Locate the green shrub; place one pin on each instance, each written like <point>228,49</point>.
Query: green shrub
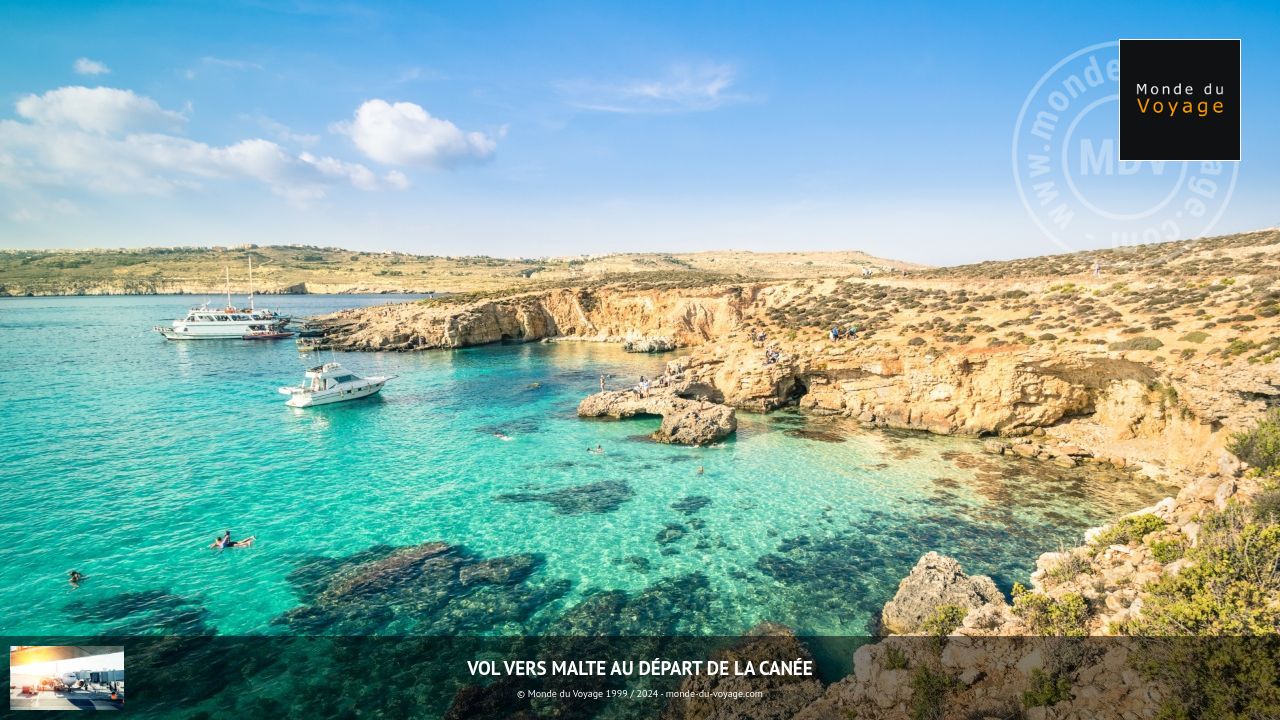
<point>1195,336</point>
<point>1229,585</point>
<point>1166,551</point>
<point>1045,689</point>
<point>1227,592</point>
<point>1129,530</point>
<point>929,691</point>
<point>1068,568</point>
<point>1138,343</point>
<point>894,659</point>
<point>1260,447</point>
<point>1266,506</point>
<point>1238,346</point>
<point>1065,616</point>
<point>944,620</point>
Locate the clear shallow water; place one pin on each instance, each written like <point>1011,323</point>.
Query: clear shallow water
<point>126,454</point>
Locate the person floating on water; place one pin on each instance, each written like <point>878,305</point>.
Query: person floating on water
<point>75,578</point>
<point>225,542</point>
<point>597,450</point>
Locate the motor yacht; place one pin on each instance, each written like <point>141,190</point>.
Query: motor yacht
<point>331,383</point>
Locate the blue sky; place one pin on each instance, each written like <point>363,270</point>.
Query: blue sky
<point>523,129</point>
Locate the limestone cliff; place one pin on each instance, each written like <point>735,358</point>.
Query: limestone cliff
<point>610,313</point>
<point>1080,404</point>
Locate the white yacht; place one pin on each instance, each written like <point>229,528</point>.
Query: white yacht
<point>331,383</point>
<point>205,323</point>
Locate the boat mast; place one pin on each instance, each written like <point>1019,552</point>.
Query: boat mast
<point>228,269</point>
<point>250,282</point>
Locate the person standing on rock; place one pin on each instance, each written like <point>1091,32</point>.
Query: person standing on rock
<point>602,383</point>
<point>644,386</point>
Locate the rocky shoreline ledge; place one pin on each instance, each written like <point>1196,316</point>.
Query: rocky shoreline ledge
<point>684,421</point>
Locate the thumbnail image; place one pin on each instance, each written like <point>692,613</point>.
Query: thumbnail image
<point>66,677</point>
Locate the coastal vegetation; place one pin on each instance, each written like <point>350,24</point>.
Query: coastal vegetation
<point>298,268</point>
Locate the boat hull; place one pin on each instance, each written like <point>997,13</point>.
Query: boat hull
<point>171,334</point>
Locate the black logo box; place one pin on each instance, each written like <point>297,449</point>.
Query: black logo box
<point>1186,68</point>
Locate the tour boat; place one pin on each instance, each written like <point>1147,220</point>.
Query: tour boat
<point>331,383</point>
<point>205,323</point>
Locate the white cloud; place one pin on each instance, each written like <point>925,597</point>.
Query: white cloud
<point>230,63</point>
<point>209,61</point>
<point>684,88</point>
<point>99,110</point>
<point>405,134</point>
<point>85,66</point>
<point>106,140</point>
<point>284,133</point>
<point>397,180</point>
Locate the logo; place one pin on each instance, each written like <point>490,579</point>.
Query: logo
<point>1071,180</point>
<point>1180,99</point>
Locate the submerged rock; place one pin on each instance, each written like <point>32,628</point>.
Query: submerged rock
<point>500,570</point>
<point>432,588</point>
<point>936,580</point>
<point>145,612</point>
<point>671,533</point>
<point>690,505</point>
<point>819,435</point>
<point>595,498</point>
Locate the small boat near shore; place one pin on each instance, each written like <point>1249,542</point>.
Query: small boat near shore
<point>268,335</point>
<point>331,383</point>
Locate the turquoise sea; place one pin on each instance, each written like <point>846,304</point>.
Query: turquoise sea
<point>124,455</point>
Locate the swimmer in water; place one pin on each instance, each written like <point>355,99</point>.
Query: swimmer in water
<point>224,542</point>
<point>501,436</point>
<point>75,578</point>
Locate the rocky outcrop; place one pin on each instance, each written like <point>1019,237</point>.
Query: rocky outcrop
<point>993,665</point>
<point>936,580</point>
<point>684,421</point>
<point>669,318</point>
<point>1080,406</point>
<point>649,345</point>
<point>989,677</point>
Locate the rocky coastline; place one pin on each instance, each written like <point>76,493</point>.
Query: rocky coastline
<point>1157,405</point>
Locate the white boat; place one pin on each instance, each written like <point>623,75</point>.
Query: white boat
<point>205,323</point>
<point>331,383</point>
